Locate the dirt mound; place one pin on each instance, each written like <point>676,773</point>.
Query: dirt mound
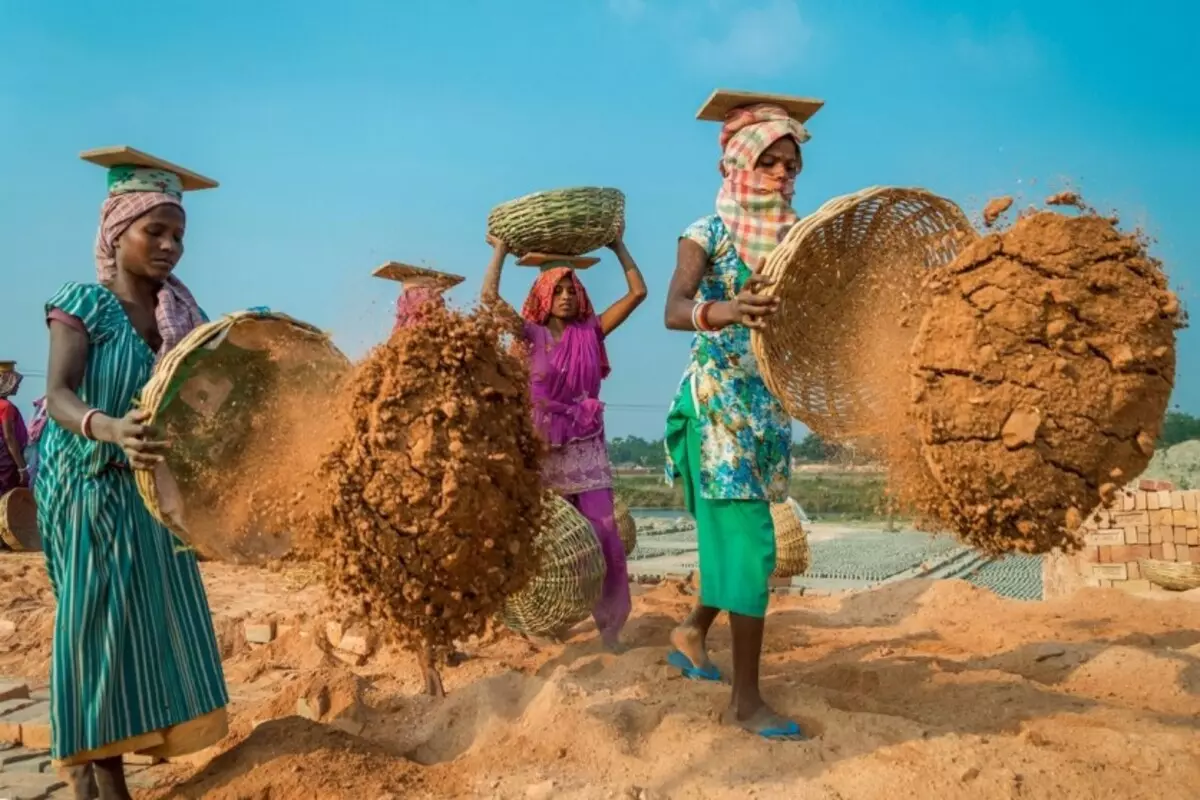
<point>1042,371</point>
<point>434,493</point>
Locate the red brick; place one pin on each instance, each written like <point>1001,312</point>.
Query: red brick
<point>1194,555</point>
<point>1156,551</point>
<point>1145,485</point>
<point>1163,516</point>
<point>1143,535</point>
<point>259,632</point>
<point>1105,555</point>
<point>1180,536</point>
<point>1193,537</point>
<point>139,760</point>
<point>1140,551</point>
<point>1130,534</point>
<point>1133,585</point>
<point>1119,554</point>
<point>27,721</point>
<point>1189,500</point>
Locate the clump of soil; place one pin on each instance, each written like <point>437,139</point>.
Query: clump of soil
<point>1042,370</point>
<point>433,494</point>
<point>995,209</point>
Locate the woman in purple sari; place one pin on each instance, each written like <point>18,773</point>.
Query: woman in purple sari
<point>568,361</point>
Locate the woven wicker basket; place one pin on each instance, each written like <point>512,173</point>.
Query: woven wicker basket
<point>1177,576</point>
<point>792,556</point>
<point>625,525</point>
<point>569,577</point>
<point>849,279</point>
<point>203,395</point>
<point>18,521</point>
<point>565,222</point>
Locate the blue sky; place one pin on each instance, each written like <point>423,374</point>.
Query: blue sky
<point>346,134</point>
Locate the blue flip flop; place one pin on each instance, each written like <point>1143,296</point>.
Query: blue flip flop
<point>690,671</point>
<point>791,732</point>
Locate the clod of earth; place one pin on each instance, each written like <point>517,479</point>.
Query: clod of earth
<point>432,490</point>
<point>995,208</point>
<point>1041,370</point>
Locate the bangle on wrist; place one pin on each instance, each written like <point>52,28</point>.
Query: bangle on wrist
<point>702,317</point>
<point>85,427</point>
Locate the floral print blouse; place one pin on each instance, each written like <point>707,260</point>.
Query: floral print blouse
<point>745,434</point>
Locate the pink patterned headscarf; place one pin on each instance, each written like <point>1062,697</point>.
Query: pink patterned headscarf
<point>414,303</point>
<point>756,210</point>
<point>177,312</point>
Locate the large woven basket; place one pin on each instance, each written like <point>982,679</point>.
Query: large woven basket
<point>626,525</point>
<point>792,556</point>
<point>1178,576</point>
<point>569,577</point>
<point>849,278</point>
<point>565,222</point>
<point>18,521</point>
<point>230,398</point>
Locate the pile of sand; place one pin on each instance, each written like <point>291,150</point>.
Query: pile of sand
<point>1041,373</point>
<point>433,491</point>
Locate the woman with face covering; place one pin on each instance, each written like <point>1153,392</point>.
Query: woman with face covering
<point>14,471</point>
<point>728,438</point>
<point>568,360</point>
<point>135,665</point>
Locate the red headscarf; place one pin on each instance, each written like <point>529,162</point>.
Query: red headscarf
<point>541,296</point>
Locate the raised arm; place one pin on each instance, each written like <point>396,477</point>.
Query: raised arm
<point>747,308</point>
<point>619,311</point>
<point>490,293</point>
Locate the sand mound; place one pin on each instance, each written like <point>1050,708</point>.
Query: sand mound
<point>434,493</point>
<point>1042,371</point>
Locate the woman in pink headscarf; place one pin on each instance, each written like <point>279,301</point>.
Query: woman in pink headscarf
<point>134,666</point>
<point>568,361</point>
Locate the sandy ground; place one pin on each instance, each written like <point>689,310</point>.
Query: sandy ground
<point>915,690</point>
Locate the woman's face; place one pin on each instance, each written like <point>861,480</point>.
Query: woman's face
<point>153,244</point>
<point>565,304</point>
<point>780,162</point>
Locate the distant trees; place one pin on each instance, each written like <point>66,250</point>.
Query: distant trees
<point>1178,426</point>
<point>636,450</point>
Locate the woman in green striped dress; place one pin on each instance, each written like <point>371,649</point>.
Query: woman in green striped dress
<point>135,664</point>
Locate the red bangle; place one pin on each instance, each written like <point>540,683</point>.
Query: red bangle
<point>85,427</point>
<point>702,317</point>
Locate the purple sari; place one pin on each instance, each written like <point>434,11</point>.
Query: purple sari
<point>565,389</point>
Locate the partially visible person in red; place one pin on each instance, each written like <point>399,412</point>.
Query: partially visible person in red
<point>14,471</point>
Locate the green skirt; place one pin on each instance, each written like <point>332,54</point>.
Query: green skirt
<point>737,537</point>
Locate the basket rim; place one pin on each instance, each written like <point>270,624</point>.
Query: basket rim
<point>560,191</point>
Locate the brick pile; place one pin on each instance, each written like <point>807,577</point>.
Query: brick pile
<point>1153,520</point>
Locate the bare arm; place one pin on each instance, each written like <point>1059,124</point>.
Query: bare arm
<point>619,311</point>
<point>490,294</point>
<point>64,375</point>
<point>10,440</point>
<point>748,308</point>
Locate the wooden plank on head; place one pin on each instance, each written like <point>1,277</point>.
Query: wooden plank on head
<point>722,101</point>
<point>126,156</point>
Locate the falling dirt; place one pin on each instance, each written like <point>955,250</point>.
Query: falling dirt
<point>995,209</point>
<point>433,493</point>
<point>1042,371</point>
<point>914,690</point>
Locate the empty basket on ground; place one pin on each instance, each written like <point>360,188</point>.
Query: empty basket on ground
<point>626,525</point>
<point>849,278</point>
<point>1174,575</point>
<point>230,397</point>
<point>569,577</point>
<point>792,556</point>
<point>566,222</point>
<point>18,521</point>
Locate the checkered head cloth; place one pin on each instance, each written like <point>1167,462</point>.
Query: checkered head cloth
<point>757,211</point>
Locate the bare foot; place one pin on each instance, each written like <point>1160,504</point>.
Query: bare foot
<point>689,641</point>
<point>766,723</point>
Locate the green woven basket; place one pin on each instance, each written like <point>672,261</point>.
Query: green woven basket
<point>565,222</point>
<point>569,577</point>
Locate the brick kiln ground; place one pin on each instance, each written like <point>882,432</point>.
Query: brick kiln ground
<point>917,690</point>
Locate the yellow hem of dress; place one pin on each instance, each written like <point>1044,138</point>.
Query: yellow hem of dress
<point>171,742</point>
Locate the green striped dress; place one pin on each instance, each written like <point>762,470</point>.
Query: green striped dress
<point>134,650</point>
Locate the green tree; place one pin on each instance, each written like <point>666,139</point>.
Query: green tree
<point>810,449</point>
<point>1178,426</point>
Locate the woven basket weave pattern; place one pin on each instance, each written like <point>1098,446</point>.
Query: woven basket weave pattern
<point>566,222</point>
<point>569,577</point>
<point>18,503</point>
<point>792,555</point>
<point>158,388</point>
<point>855,264</point>
<point>1174,575</point>
<point>626,525</point>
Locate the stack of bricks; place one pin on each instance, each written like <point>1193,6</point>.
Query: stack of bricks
<point>1153,520</point>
